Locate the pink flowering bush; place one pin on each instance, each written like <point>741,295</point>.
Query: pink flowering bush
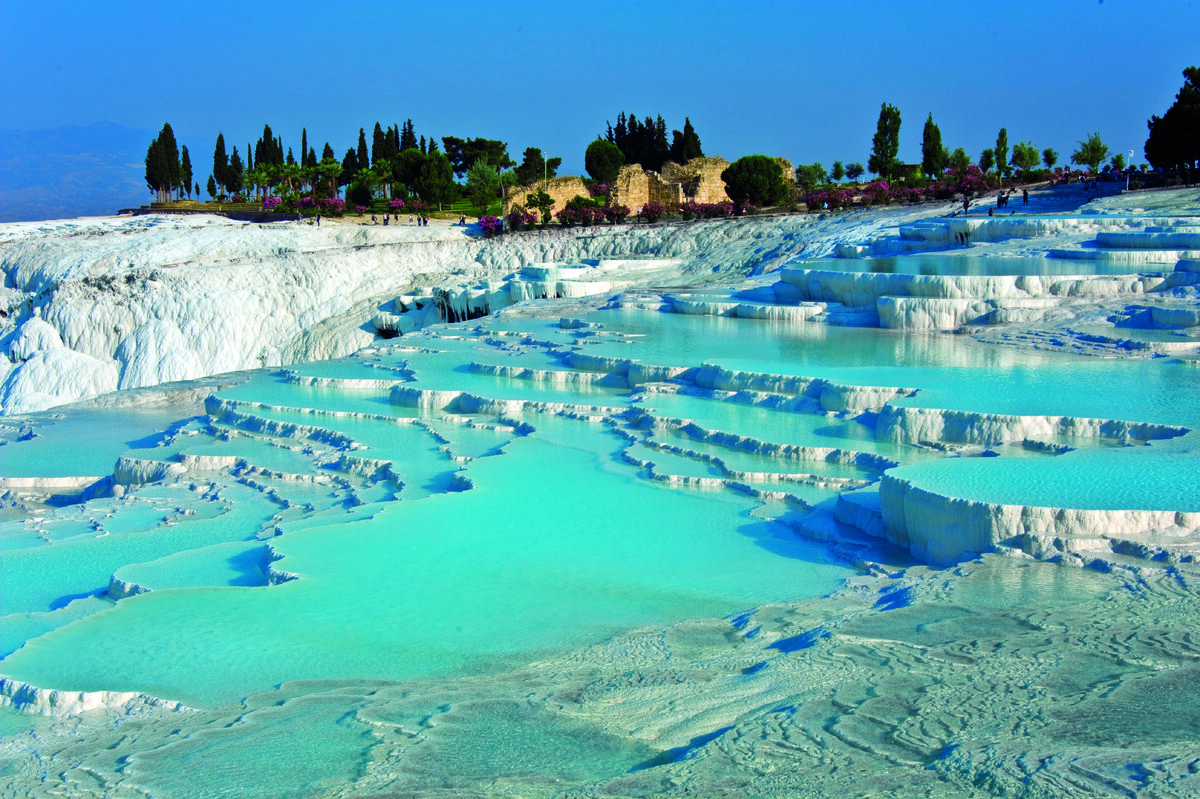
<point>306,203</point>
<point>520,218</point>
<point>490,225</point>
<point>568,217</point>
<point>395,205</point>
<point>598,189</point>
<point>652,212</point>
<point>830,199</point>
<point>332,205</point>
<point>615,214</point>
<point>271,203</point>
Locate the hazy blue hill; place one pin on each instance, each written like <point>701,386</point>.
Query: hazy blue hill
<point>71,171</point>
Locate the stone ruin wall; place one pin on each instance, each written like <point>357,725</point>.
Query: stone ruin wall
<point>698,180</point>
<point>561,191</point>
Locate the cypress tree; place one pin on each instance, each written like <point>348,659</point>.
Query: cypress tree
<point>933,156</point>
<point>378,145</point>
<point>1002,152</point>
<point>236,172</point>
<point>408,139</point>
<point>310,160</point>
<point>886,142</point>
<point>691,142</point>
<point>212,188</point>
<point>327,153</point>
<point>185,171</point>
<point>364,160</point>
<point>433,145</point>
<point>304,147</point>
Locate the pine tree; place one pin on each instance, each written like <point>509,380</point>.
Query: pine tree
<point>327,153</point>
<point>433,146</point>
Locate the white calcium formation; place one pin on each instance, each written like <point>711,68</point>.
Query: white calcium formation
<point>958,660</point>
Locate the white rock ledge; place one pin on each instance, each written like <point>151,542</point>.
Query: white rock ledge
<point>50,702</point>
<point>942,530</point>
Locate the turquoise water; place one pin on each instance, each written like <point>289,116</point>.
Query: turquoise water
<point>952,263</point>
<point>363,543</point>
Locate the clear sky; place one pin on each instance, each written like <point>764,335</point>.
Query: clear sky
<point>804,80</point>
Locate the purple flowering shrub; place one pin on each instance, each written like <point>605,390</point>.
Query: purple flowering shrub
<point>271,203</point>
<point>360,209</point>
<point>490,225</point>
<point>598,189</point>
<point>395,205</point>
<point>832,199</point>
<point>306,203</point>
<point>519,218</point>
<point>332,205</point>
<point>652,212</point>
<point>568,217</point>
<point>615,214</point>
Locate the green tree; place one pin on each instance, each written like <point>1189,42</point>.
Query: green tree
<point>987,160</point>
<point>854,170</point>
<point>838,172</point>
<point>1049,157</point>
<point>1002,152</point>
<point>327,153</point>
<point>886,143</point>
<point>185,170</point>
<point>408,139</point>
<point>483,184</point>
<point>234,178</point>
<point>1091,152</point>
<point>220,164</point>
<point>349,166</point>
<point>534,167</point>
<point>959,161</point>
<point>163,172</point>
<point>406,167</point>
<point>810,175</point>
<point>1024,156</point>
<point>362,157</point>
<point>541,201</point>
<point>211,187</point>
<point>463,153</point>
<point>378,146</point>
<point>685,145</point>
<point>933,155</point>
<point>435,184</point>
<point>327,173</point>
<point>1174,138</point>
<point>603,160</point>
<point>754,179</point>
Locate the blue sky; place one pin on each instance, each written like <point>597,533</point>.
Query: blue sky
<point>800,79</point>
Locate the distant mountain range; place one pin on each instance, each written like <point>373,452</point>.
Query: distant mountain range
<point>60,173</point>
